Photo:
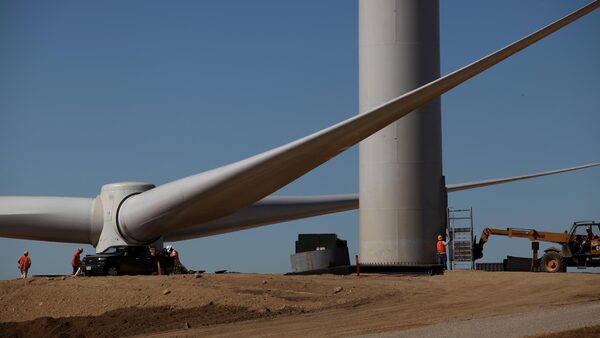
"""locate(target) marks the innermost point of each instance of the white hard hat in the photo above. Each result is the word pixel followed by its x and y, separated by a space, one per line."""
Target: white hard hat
pixel 169 247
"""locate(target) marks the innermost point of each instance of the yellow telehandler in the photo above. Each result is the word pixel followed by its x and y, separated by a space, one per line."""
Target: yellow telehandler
pixel 579 247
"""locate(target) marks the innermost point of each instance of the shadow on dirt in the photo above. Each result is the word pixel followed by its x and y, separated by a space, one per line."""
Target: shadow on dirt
pixel 135 321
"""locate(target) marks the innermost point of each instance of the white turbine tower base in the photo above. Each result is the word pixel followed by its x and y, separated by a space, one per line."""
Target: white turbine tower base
pixel 402 192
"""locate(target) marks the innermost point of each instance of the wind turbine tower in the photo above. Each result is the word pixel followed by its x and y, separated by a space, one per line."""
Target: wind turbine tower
pixel 402 192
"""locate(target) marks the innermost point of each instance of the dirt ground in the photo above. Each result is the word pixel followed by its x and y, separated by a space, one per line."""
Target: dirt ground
pixel 584 332
pixel 274 305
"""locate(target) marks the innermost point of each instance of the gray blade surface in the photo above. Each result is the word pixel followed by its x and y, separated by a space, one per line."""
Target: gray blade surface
pixel 270 210
pixel 57 219
pixel 485 183
pixel 277 209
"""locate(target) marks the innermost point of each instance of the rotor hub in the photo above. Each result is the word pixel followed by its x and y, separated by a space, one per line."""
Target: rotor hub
pixel 112 197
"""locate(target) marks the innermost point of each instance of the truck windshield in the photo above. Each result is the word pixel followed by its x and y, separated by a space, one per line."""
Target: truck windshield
pixel 113 250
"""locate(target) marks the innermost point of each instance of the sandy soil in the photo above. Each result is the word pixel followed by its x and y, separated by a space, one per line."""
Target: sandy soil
pixel 274 305
pixel 584 332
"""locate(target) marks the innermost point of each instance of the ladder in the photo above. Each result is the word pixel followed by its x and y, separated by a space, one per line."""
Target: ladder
pixel 460 230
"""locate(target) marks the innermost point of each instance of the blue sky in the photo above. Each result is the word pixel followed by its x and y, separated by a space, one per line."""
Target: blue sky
pixel 100 92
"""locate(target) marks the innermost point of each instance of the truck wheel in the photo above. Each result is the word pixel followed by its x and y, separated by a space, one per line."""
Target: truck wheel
pixel 112 271
pixel 553 262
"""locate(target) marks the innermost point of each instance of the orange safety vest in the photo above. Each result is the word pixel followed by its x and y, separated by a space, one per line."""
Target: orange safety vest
pixel 24 262
pixel 441 247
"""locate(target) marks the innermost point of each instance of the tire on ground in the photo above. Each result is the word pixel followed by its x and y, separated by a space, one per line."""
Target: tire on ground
pixel 553 262
pixel 112 270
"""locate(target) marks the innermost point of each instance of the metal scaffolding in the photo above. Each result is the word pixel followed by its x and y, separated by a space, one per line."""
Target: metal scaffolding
pixel 460 230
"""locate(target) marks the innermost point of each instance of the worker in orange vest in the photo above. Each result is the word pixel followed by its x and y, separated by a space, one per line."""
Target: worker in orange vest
pixel 24 264
pixel 441 251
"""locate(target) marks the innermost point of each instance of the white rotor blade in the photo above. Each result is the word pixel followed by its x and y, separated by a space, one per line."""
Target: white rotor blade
pixel 270 210
pixel 222 191
pixel 57 219
pixel 484 183
pixel 65 219
pixel 278 209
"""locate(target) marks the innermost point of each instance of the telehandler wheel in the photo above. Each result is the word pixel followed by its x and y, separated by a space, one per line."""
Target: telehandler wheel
pixel 553 262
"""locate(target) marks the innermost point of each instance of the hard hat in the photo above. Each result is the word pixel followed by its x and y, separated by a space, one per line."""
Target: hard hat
pixel 80 249
pixel 26 253
pixel 169 248
pixel 440 237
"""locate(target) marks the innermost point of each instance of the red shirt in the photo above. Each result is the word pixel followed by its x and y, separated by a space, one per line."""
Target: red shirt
pixel 76 259
pixel 175 255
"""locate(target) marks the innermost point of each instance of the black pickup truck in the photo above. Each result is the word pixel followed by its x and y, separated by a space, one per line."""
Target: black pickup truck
pixel 120 260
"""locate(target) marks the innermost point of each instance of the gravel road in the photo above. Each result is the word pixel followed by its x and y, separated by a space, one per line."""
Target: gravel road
pixel 553 319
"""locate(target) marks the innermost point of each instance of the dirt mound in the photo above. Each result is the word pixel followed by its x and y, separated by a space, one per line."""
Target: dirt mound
pixel 133 321
pixel 246 305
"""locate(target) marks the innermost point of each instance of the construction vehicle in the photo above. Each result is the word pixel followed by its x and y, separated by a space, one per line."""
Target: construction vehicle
pixel 579 246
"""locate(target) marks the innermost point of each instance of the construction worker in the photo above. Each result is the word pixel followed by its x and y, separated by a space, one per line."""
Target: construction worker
pixel 590 234
pixel 24 264
pixel 441 251
pixel 174 259
pixel 76 262
pixel 173 253
pixel 586 245
pixel 156 258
